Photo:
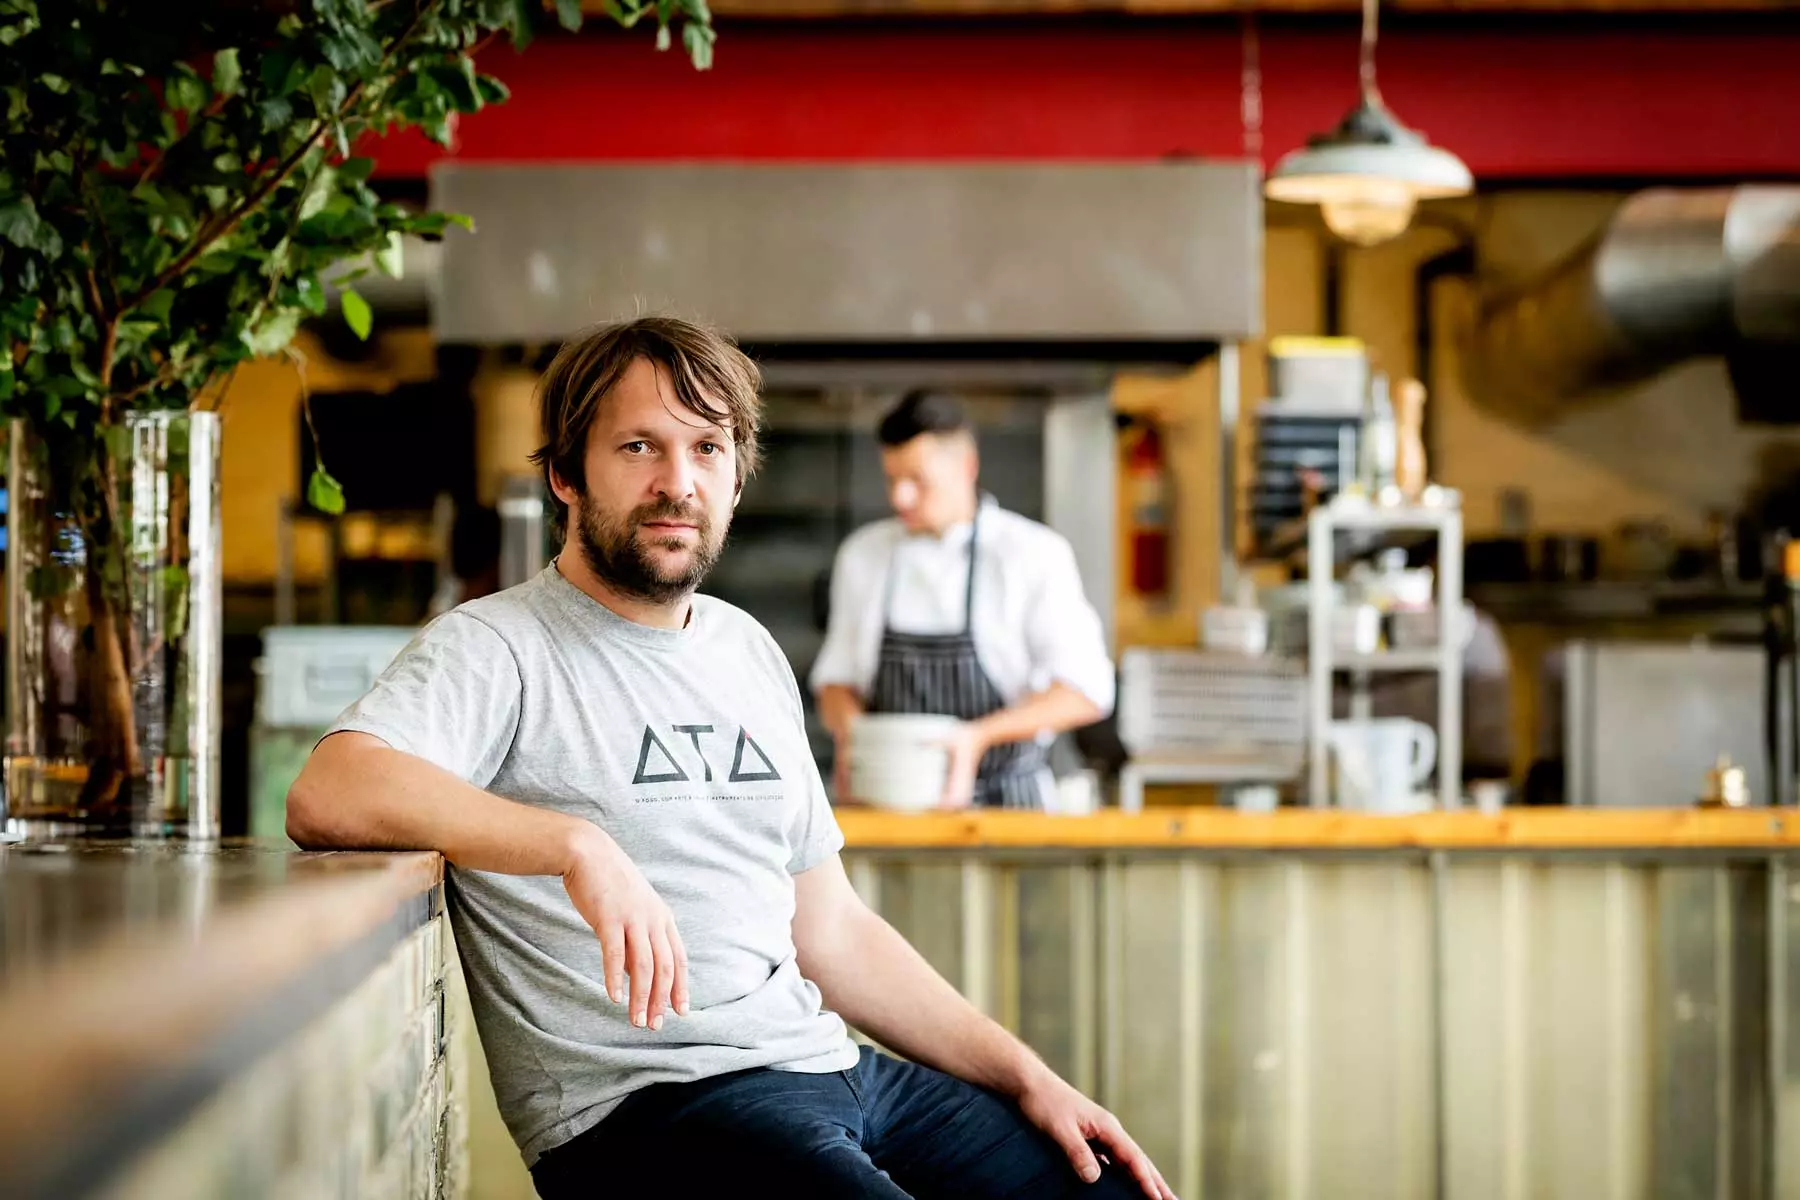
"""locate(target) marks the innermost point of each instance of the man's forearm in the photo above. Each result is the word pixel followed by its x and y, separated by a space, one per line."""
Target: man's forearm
pixel 1053 710
pixel 839 706
pixel 877 982
pixel 356 792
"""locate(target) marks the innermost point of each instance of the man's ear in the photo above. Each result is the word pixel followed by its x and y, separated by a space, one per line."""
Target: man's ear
pixel 561 489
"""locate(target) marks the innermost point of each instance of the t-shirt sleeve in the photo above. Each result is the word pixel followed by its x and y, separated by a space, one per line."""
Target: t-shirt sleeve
pixel 813 835
pixel 451 698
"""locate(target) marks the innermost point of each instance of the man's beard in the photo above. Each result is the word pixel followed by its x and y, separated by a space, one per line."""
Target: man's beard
pixel 615 553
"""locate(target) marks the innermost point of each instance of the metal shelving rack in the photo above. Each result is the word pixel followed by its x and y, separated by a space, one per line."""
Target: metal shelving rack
pixel 1366 523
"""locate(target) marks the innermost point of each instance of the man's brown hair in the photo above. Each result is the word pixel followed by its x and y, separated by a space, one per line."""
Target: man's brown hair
pixel 712 379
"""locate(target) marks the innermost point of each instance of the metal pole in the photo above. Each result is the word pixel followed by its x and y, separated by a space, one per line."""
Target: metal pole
pixel 1774 1176
pixel 1440 1048
pixel 1450 692
pixel 1228 497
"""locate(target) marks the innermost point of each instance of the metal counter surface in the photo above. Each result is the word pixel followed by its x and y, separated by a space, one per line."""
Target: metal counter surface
pixel 137 976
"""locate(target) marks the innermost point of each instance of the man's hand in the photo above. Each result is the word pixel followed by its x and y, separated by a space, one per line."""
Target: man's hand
pixel 636 929
pixel 1073 1120
pixel 966 746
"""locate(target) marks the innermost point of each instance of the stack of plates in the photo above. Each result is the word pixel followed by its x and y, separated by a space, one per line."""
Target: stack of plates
pixel 898 760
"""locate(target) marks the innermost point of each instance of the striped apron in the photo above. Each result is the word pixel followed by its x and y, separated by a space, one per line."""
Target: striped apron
pixel 941 673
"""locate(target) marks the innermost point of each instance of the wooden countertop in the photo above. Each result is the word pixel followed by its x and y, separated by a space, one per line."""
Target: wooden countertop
pixel 1328 829
pixel 125 963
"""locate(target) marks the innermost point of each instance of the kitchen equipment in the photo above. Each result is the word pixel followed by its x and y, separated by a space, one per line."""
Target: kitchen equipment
pixel 1417 628
pixel 898 760
pixel 1239 628
pixel 1646 550
pixel 1381 764
pixel 1200 704
pixel 308 674
pixel 1568 558
pixel 1409 423
pixel 1725 786
pixel 1642 722
pixel 1380 449
pixel 1256 798
pixel 1355 629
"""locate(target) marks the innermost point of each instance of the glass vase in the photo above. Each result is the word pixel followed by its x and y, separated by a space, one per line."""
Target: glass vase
pixel 114 632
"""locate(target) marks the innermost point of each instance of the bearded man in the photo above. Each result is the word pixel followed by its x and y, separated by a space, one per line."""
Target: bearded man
pixel 661 944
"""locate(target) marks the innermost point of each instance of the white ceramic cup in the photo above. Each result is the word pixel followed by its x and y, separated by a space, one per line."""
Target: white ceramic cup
pixel 1381 764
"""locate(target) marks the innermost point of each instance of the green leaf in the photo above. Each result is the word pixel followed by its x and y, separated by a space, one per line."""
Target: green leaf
pixel 357 313
pixel 699 41
pixel 663 38
pixel 391 257
pixel 19 222
pixel 174 580
pixel 277 112
pixel 227 74
pixel 325 493
pixel 522 21
pixel 157 305
pixel 185 91
pixel 355 170
pixel 272 334
pixel 55 83
pixel 457 80
pixel 568 14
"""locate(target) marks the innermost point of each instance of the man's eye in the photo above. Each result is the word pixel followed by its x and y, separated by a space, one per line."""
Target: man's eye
pixel 710 448
pixel 635 447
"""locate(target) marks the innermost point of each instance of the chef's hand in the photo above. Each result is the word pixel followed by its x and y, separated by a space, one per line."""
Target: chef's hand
pixel 840 767
pixel 966 746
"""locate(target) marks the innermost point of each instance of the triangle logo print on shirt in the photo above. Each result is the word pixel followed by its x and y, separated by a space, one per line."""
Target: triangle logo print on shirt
pixel 673 774
pixel 738 774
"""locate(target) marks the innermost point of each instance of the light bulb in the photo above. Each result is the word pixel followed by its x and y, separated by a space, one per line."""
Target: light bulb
pixel 1368 220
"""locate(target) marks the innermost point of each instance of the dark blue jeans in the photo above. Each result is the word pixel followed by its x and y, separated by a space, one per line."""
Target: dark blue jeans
pixel 884 1129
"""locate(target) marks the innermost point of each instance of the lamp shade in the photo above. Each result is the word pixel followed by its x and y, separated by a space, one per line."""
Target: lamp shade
pixel 1369 160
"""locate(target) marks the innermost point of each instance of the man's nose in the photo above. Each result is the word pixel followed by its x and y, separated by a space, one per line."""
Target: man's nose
pixel 675 479
pixel 904 496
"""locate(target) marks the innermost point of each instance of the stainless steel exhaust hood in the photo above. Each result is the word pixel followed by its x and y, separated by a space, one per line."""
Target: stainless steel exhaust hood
pixel 862 254
pixel 1674 275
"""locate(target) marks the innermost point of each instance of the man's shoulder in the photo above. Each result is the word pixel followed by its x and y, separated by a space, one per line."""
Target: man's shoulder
pixel 875 538
pixel 507 612
pixel 1018 531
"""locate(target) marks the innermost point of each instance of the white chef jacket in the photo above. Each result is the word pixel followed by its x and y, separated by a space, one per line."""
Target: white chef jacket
pixel 1033 625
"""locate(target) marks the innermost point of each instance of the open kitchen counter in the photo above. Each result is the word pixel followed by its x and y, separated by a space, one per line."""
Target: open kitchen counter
pixel 1328 829
pixel 233 1020
pixel 1429 1005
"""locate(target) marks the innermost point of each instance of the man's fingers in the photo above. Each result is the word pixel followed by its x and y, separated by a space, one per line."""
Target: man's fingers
pixel 640 960
pixel 679 993
pixel 1081 1156
pixel 1131 1156
pixel 612 952
pixel 665 977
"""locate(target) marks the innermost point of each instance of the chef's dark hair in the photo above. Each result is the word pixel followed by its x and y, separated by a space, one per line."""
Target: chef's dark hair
pixel 919 412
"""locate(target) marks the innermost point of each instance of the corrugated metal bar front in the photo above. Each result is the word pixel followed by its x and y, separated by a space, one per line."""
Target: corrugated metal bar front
pixel 1283 1025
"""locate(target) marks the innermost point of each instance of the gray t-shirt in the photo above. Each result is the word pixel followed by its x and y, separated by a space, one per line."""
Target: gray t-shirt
pixel 689 748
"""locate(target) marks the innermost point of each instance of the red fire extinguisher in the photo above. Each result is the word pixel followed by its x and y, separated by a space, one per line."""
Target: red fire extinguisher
pixel 1147 477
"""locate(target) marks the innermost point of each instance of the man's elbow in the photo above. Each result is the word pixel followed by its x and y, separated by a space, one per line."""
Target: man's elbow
pixel 308 822
pixel 319 803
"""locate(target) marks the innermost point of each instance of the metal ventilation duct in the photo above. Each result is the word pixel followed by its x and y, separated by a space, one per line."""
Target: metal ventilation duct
pixel 1674 275
pixel 866 254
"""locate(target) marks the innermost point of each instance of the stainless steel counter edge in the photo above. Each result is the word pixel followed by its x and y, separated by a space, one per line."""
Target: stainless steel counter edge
pixel 110 1047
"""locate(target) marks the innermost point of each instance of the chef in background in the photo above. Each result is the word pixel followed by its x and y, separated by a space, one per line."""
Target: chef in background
pixel 955 606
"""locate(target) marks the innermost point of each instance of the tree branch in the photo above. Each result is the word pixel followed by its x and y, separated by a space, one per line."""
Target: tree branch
pixel 210 236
